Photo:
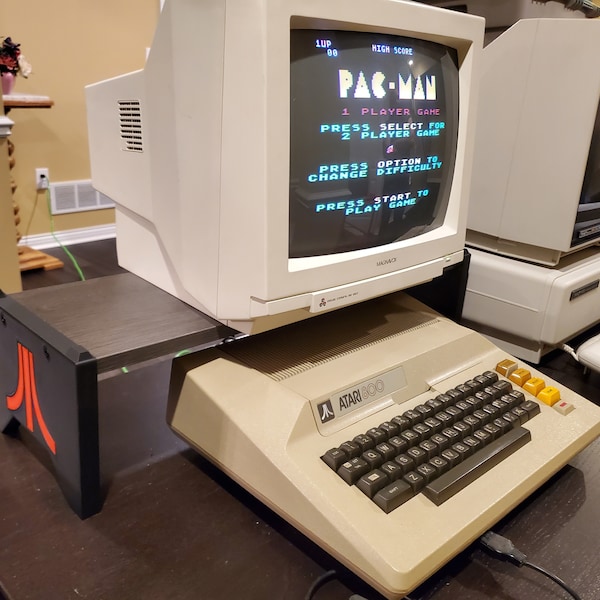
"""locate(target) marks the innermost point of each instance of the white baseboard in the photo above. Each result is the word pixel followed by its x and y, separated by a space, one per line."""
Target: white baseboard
pixel 69 237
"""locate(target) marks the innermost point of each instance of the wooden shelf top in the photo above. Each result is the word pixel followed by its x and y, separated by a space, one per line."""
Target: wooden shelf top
pixel 27 101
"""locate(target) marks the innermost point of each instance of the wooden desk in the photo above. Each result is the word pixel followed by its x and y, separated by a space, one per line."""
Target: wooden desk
pixel 174 527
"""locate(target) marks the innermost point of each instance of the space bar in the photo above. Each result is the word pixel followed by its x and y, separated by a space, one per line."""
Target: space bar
pixel 471 468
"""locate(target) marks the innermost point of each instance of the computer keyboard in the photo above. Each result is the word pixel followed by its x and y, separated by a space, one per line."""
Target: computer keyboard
pixel 438 447
pixel 389 435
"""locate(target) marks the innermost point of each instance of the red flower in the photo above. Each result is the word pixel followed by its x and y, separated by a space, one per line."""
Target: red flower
pixel 9 56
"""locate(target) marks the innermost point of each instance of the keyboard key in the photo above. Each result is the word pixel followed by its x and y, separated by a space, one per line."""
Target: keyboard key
pixel 410 437
pixel 393 495
pixel 454 396
pixel 502 424
pixel 387 451
pixel 441 441
pixel 399 444
pixel 439 464
pixel 372 482
pixel 484 397
pixel 473 443
pixel 472 421
pixel 435 404
pixel 520 413
pixel 334 458
pixel 483 436
pixel 531 407
pixel 372 458
pixel 422 430
pixel 510 418
pixel 504 386
pixel 463 428
pixel 464 406
pixel 415 480
pixel 534 385
pixel 392 470
pixel 425 410
pixel 352 470
pixel 402 422
pixel 377 435
pixel 491 410
pixel 427 472
pixel 445 418
pixel 364 442
pixel 455 413
pixel 452 434
pixel 506 367
pixel 434 424
pixel 456 479
pixel 413 416
pixel 405 462
pixel 390 428
pixel 518 395
pixel 482 416
pixel 493 430
pixel 564 408
pixel 429 447
pixel 462 450
pixel 352 449
pixel 417 454
pixel 520 376
pixel 491 376
pixel 451 456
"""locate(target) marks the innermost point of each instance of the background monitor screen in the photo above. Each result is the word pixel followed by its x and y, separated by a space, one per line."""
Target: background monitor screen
pixel 587 224
pixel 373 135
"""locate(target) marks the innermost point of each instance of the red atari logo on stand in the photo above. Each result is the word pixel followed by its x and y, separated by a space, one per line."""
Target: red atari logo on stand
pixel 27 391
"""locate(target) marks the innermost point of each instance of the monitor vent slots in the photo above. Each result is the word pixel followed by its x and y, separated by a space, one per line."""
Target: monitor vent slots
pixel 130 121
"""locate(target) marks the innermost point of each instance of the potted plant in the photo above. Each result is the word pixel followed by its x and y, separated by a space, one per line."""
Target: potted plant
pixel 12 63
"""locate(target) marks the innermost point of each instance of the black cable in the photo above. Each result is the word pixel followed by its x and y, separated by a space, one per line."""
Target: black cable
pixel 506 549
pixel 554 578
pixel 318 583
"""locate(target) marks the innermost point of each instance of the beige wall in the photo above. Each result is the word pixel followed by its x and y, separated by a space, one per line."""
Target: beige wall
pixel 70 43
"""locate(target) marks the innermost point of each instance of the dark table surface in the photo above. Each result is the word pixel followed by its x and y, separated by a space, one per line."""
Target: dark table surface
pixel 174 527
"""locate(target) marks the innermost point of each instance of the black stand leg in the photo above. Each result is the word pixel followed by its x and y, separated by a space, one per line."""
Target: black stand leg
pixel 49 386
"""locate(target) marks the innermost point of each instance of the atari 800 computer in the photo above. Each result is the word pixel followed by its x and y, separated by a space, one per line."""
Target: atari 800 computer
pixel 279 160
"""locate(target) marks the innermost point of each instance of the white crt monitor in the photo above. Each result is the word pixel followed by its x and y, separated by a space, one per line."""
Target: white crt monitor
pixel 279 158
pixel 536 175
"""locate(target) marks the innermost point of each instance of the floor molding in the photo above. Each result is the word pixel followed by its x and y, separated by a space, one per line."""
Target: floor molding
pixel 69 237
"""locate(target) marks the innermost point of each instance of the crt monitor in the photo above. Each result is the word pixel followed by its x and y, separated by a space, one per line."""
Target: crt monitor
pixel 276 159
pixel 536 175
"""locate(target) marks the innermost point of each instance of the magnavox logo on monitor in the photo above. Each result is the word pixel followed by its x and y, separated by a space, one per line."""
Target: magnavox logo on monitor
pixel 26 392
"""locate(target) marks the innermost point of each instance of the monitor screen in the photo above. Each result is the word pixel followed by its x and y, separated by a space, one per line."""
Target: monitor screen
pixel 373 134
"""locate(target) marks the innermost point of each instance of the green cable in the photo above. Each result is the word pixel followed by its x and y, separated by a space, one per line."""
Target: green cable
pixel 65 249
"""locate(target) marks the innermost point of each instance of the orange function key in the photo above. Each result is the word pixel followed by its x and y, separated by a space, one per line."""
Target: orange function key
pixel 506 367
pixel 534 385
pixel 520 376
pixel 549 395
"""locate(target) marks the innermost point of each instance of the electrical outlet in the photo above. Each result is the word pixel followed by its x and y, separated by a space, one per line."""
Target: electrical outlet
pixel 42 179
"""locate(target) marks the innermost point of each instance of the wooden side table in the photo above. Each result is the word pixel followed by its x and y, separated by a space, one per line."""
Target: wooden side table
pixel 28 257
